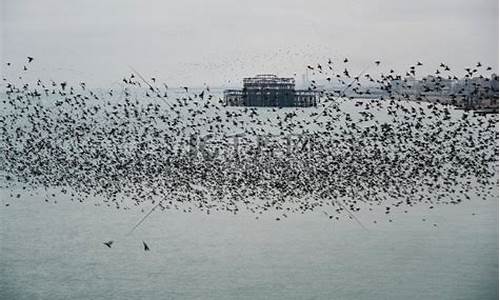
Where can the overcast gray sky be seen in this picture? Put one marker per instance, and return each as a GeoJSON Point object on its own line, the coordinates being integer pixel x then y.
{"type": "Point", "coordinates": [193, 42]}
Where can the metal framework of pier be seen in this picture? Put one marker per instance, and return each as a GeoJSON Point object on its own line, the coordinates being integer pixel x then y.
{"type": "Point", "coordinates": [268, 90]}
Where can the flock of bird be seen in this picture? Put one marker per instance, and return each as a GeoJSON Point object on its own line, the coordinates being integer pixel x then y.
{"type": "Point", "coordinates": [148, 145]}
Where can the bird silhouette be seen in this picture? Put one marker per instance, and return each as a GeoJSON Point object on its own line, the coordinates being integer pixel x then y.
{"type": "Point", "coordinates": [383, 140]}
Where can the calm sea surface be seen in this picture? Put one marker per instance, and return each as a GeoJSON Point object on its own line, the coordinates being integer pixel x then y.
{"type": "Point", "coordinates": [55, 251]}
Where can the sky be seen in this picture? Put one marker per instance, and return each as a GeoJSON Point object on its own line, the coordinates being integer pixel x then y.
{"type": "Point", "coordinates": [218, 42]}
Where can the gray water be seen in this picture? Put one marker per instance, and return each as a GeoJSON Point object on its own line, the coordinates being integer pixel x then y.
{"type": "Point", "coordinates": [55, 251]}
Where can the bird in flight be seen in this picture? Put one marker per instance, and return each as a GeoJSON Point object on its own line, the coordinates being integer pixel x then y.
{"type": "Point", "coordinates": [146, 247]}
{"type": "Point", "coordinates": [108, 243]}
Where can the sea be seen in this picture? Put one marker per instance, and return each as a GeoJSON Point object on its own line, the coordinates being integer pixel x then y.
{"type": "Point", "coordinates": [54, 250]}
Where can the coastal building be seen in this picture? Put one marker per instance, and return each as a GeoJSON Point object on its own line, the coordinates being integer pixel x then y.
{"type": "Point", "coordinates": [268, 90]}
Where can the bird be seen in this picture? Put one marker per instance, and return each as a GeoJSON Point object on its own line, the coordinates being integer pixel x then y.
{"type": "Point", "coordinates": [30, 59]}
{"type": "Point", "coordinates": [388, 140]}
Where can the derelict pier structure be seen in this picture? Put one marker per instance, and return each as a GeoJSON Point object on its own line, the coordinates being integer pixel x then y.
{"type": "Point", "coordinates": [268, 90]}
